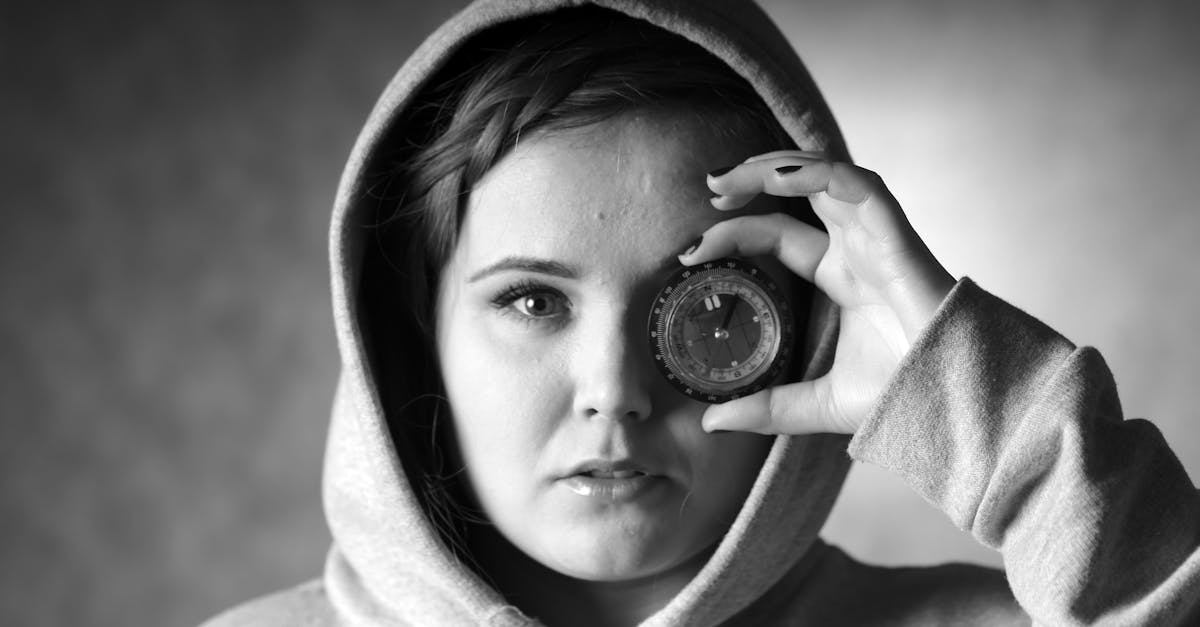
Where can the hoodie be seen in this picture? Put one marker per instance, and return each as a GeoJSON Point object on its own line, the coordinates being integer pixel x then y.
{"type": "Point", "coordinates": [1003, 424]}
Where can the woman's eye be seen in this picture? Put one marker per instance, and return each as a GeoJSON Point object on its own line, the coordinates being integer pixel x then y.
{"type": "Point", "coordinates": [540, 305]}
{"type": "Point", "coordinates": [532, 302]}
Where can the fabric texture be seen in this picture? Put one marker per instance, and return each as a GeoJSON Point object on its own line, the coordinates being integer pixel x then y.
{"type": "Point", "coordinates": [1018, 436]}
{"type": "Point", "coordinates": [992, 417]}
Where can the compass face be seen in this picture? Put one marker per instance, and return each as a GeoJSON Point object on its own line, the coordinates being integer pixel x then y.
{"type": "Point", "coordinates": [720, 330]}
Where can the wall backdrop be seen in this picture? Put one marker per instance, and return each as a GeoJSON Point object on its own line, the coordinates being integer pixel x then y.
{"type": "Point", "coordinates": [166, 351]}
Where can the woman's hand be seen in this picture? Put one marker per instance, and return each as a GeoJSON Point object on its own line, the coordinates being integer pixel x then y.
{"type": "Point", "coordinates": [871, 263]}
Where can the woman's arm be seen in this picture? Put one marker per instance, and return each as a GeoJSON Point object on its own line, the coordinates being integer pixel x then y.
{"type": "Point", "coordinates": [1018, 436]}
{"type": "Point", "coordinates": [1003, 424]}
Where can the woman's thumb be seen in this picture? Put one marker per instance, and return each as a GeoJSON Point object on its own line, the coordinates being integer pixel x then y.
{"type": "Point", "coordinates": [794, 409]}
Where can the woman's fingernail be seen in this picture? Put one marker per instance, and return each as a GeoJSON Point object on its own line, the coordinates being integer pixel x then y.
{"type": "Point", "coordinates": [692, 247]}
{"type": "Point", "coordinates": [788, 169]}
{"type": "Point", "coordinates": [720, 171]}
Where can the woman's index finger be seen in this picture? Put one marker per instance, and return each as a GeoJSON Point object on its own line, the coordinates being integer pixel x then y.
{"type": "Point", "coordinates": [798, 246]}
{"type": "Point", "coordinates": [810, 154]}
{"type": "Point", "coordinates": [755, 177]}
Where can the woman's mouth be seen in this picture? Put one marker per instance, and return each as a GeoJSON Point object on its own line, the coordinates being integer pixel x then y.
{"type": "Point", "coordinates": [611, 481]}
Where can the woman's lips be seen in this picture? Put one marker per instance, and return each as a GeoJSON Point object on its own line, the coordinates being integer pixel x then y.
{"type": "Point", "coordinates": [611, 480]}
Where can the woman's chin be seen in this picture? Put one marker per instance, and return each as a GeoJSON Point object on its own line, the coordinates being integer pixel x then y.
{"type": "Point", "coordinates": [621, 554]}
{"type": "Point", "coordinates": [612, 567]}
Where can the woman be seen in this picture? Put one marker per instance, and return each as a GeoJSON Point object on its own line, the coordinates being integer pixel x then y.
{"type": "Point", "coordinates": [505, 451]}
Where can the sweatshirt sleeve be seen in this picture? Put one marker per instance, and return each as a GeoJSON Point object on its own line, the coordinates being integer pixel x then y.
{"type": "Point", "coordinates": [1017, 435]}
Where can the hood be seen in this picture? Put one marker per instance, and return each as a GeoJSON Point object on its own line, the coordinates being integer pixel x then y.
{"type": "Point", "coordinates": [388, 564]}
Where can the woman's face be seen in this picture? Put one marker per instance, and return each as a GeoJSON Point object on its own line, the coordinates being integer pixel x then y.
{"type": "Point", "coordinates": [579, 452]}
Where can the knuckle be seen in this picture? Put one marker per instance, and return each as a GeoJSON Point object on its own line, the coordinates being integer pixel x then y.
{"type": "Point", "coordinates": [843, 169]}
{"type": "Point", "coordinates": [735, 227]}
{"type": "Point", "coordinates": [865, 174]}
{"type": "Point", "coordinates": [730, 234]}
{"type": "Point", "coordinates": [776, 224]}
{"type": "Point", "coordinates": [871, 180]}
{"type": "Point", "coordinates": [829, 405]}
{"type": "Point", "coordinates": [776, 407]}
{"type": "Point", "coordinates": [851, 183]}
{"type": "Point", "coordinates": [778, 220]}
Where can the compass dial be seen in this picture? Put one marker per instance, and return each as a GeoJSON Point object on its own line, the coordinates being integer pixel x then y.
{"type": "Point", "coordinates": [720, 330]}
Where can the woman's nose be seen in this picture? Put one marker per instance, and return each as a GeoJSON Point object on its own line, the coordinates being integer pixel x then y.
{"type": "Point", "coordinates": [613, 379]}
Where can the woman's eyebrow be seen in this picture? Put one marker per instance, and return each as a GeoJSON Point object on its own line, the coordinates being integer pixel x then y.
{"type": "Point", "coordinates": [526, 264]}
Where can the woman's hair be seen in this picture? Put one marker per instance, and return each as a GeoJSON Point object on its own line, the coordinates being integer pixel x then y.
{"type": "Point", "coordinates": [570, 69]}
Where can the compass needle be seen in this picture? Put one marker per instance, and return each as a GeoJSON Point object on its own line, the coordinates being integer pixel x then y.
{"type": "Point", "coordinates": [729, 314]}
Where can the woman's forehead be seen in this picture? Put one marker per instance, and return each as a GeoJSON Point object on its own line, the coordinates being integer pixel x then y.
{"type": "Point", "coordinates": [632, 189]}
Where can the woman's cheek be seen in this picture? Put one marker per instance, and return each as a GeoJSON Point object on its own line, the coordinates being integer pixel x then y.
{"type": "Point", "coordinates": [508, 398]}
{"type": "Point", "coordinates": [518, 365]}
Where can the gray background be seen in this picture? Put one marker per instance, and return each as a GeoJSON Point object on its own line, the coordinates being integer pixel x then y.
{"type": "Point", "coordinates": [166, 351]}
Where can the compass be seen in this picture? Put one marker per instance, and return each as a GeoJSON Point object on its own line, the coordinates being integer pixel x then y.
{"type": "Point", "coordinates": [720, 330]}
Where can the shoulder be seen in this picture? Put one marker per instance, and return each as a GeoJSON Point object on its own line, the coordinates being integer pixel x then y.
{"type": "Point", "coordinates": [305, 604]}
{"type": "Point", "coordinates": [946, 594]}
{"type": "Point", "coordinates": [950, 594]}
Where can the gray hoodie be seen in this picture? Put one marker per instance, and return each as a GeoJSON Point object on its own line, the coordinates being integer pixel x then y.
{"type": "Point", "coordinates": [1011, 430]}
